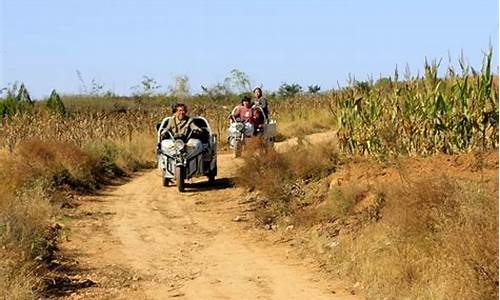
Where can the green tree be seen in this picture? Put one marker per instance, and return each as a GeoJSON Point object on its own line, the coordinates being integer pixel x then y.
{"type": "Point", "coordinates": [17, 100]}
{"type": "Point", "coordinates": [55, 104]}
{"type": "Point", "coordinates": [289, 90]}
{"type": "Point", "coordinates": [313, 89]}
{"type": "Point", "coordinates": [23, 95]}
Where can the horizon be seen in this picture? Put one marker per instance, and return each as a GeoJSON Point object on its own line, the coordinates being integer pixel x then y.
{"type": "Point", "coordinates": [117, 43]}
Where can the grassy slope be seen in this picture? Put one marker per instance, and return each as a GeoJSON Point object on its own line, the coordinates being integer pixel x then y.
{"type": "Point", "coordinates": [36, 179]}
{"type": "Point", "coordinates": [409, 228]}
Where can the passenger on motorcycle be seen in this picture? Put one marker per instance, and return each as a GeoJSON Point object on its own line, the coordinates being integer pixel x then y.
{"type": "Point", "coordinates": [248, 114]}
{"type": "Point", "coordinates": [244, 112]}
{"type": "Point", "coordinates": [260, 101]}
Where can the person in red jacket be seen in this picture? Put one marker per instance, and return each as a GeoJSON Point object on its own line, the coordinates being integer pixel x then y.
{"type": "Point", "coordinates": [244, 112]}
{"type": "Point", "coordinates": [250, 114]}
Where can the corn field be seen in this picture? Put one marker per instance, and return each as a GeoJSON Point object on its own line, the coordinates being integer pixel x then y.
{"type": "Point", "coordinates": [416, 116]}
{"type": "Point", "coordinates": [101, 121]}
{"type": "Point", "coordinates": [78, 129]}
{"type": "Point", "coordinates": [420, 116]}
{"type": "Point", "coordinates": [82, 128]}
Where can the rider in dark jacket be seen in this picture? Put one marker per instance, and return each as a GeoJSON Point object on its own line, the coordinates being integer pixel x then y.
{"type": "Point", "coordinates": [260, 101]}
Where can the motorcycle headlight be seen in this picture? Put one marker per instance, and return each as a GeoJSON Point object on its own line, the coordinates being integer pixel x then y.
{"type": "Point", "coordinates": [179, 145]}
{"type": "Point", "coordinates": [239, 126]}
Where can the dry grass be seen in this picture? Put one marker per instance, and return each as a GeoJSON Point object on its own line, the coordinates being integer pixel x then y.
{"type": "Point", "coordinates": [121, 119]}
{"type": "Point", "coordinates": [308, 121]}
{"type": "Point", "coordinates": [437, 239]}
{"type": "Point", "coordinates": [78, 128]}
{"type": "Point", "coordinates": [280, 176]}
{"type": "Point", "coordinates": [18, 280]}
{"type": "Point", "coordinates": [33, 178]}
{"type": "Point", "coordinates": [421, 230]}
{"type": "Point", "coordinates": [59, 162]}
{"type": "Point", "coordinates": [27, 240]}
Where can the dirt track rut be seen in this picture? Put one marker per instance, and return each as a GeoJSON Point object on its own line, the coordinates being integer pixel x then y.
{"type": "Point", "coordinates": [140, 240]}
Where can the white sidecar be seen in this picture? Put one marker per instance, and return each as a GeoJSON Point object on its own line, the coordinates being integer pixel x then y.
{"type": "Point", "coordinates": [239, 131]}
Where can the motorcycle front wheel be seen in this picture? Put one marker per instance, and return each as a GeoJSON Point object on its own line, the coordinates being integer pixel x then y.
{"type": "Point", "coordinates": [180, 177]}
{"type": "Point", "coordinates": [237, 148]}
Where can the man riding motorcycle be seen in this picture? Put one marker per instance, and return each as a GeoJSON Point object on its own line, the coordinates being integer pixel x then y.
{"type": "Point", "coordinates": [186, 148]}
{"type": "Point", "coordinates": [181, 126]}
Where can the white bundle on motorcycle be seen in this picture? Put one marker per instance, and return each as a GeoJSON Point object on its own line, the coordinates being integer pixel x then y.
{"type": "Point", "coordinates": [193, 147]}
{"type": "Point", "coordinates": [236, 127]}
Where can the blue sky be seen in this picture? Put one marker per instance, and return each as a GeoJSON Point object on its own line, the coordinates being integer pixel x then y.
{"type": "Point", "coordinates": [116, 42]}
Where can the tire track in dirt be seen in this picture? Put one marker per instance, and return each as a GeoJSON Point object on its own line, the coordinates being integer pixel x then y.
{"type": "Point", "coordinates": [141, 240]}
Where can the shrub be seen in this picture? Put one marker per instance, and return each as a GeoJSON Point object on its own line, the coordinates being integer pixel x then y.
{"type": "Point", "coordinates": [279, 176]}
{"type": "Point", "coordinates": [55, 104]}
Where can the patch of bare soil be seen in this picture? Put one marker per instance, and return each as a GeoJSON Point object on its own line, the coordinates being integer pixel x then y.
{"type": "Point", "coordinates": [481, 167]}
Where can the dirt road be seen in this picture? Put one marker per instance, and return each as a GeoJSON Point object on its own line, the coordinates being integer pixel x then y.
{"type": "Point", "coordinates": [141, 240]}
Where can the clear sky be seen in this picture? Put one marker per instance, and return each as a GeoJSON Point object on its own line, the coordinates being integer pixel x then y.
{"type": "Point", "coordinates": [320, 42]}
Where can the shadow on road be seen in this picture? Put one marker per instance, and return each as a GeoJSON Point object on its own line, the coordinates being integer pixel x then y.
{"type": "Point", "coordinates": [218, 184]}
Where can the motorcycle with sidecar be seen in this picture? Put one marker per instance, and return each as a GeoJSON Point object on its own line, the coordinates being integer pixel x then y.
{"type": "Point", "coordinates": [181, 158]}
